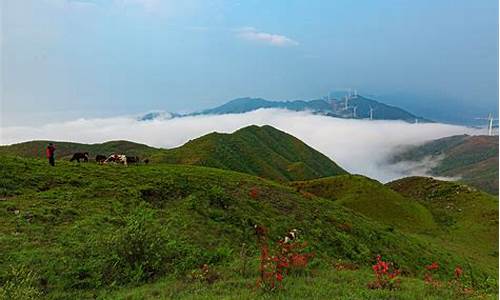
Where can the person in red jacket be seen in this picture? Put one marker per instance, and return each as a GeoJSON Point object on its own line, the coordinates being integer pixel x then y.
{"type": "Point", "coordinates": [50, 154]}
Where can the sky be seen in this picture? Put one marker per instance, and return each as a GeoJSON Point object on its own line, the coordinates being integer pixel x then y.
{"type": "Point", "coordinates": [66, 59]}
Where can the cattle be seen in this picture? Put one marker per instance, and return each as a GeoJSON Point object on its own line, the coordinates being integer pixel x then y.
{"type": "Point", "coordinates": [99, 158]}
{"type": "Point", "coordinates": [291, 236]}
{"type": "Point", "coordinates": [132, 159]}
{"type": "Point", "coordinates": [116, 158]}
{"type": "Point", "coordinates": [146, 161]}
{"type": "Point", "coordinates": [79, 155]}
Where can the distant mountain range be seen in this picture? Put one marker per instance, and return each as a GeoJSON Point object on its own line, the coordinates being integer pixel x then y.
{"type": "Point", "coordinates": [472, 159]}
{"type": "Point", "coordinates": [349, 106]}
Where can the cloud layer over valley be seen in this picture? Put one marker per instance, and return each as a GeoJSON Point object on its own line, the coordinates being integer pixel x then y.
{"type": "Point", "coordinates": [359, 146]}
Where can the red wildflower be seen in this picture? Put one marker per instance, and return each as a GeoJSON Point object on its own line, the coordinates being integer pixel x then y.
{"type": "Point", "coordinates": [433, 266]}
{"type": "Point", "coordinates": [386, 275]}
{"type": "Point", "coordinates": [458, 272]}
{"type": "Point", "coordinates": [254, 193]}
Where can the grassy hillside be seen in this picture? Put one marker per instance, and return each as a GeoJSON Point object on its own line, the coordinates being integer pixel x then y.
{"type": "Point", "coordinates": [86, 231]}
{"type": "Point", "coordinates": [64, 150]}
{"type": "Point", "coordinates": [454, 215]}
{"type": "Point", "coordinates": [468, 218]}
{"type": "Point", "coordinates": [372, 199]}
{"type": "Point", "coordinates": [472, 158]}
{"type": "Point", "coordinates": [263, 151]}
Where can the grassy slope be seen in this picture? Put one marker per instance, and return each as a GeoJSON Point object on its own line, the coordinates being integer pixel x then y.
{"type": "Point", "coordinates": [453, 215]}
{"type": "Point", "coordinates": [68, 224]}
{"type": "Point", "coordinates": [64, 150]}
{"type": "Point", "coordinates": [468, 218]}
{"type": "Point", "coordinates": [473, 158]}
{"type": "Point", "coordinates": [263, 151]}
{"type": "Point", "coordinates": [372, 199]}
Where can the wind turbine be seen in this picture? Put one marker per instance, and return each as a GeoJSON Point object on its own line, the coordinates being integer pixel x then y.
{"type": "Point", "coordinates": [490, 123]}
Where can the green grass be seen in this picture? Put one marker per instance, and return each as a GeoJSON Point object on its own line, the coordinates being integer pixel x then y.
{"type": "Point", "coordinates": [473, 159]}
{"type": "Point", "coordinates": [64, 150]}
{"type": "Point", "coordinates": [468, 218]}
{"type": "Point", "coordinates": [327, 283]}
{"type": "Point", "coordinates": [262, 151]}
{"type": "Point", "coordinates": [84, 230]}
{"type": "Point", "coordinates": [372, 199]}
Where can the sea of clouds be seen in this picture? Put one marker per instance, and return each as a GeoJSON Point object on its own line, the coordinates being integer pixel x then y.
{"type": "Point", "coordinates": [359, 146]}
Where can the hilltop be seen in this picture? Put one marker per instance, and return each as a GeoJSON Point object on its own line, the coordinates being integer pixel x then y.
{"type": "Point", "coordinates": [331, 107]}
{"type": "Point", "coordinates": [263, 151]}
{"type": "Point", "coordinates": [372, 199]}
{"type": "Point", "coordinates": [87, 231]}
{"type": "Point", "coordinates": [358, 107]}
{"type": "Point", "coordinates": [458, 216]}
{"type": "Point", "coordinates": [467, 217]}
{"type": "Point", "coordinates": [471, 159]}
{"type": "Point", "coordinates": [66, 149]}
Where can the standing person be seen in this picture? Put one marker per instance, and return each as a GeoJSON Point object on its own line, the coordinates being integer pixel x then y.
{"type": "Point", "coordinates": [50, 154]}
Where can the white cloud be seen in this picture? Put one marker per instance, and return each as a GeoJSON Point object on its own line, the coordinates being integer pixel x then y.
{"type": "Point", "coordinates": [360, 146]}
{"type": "Point", "coordinates": [251, 34]}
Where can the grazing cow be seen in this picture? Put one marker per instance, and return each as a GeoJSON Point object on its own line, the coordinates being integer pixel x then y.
{"type": "Point", "coordinates": [291, 236]}
{"type": "Point", "coordinates": [116, 158]}
{"type": "Point", "coordinates": [77, 156]}
{"type": "Point", "coordinates": [99, 158]}
{"type": "Point", "coordinates": [146, 161]}
{"type": "Point", "coordinates": [132, 159]}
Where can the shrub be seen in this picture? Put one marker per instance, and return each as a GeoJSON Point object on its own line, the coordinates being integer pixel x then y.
{"type": "Point", "coordinates": [218, 198]}
{"type": "Point", "coordinates": [144, 249]}
{"type": "Point", "coordinates": [428, 277]}
{"type": "Point", "coordinates": [386, 275]}
{"type": "Point", "coordinates": [288, 256]}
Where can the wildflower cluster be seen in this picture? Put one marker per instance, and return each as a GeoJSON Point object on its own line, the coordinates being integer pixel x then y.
{"type": "Point", "coordinates": [428, 277]}
{"type": "Point", "coordinates": [254, 193]}
{"type": "Point", "coordinates": [288, 256]}
{"type": "Point", "coordinates": [386, 275]}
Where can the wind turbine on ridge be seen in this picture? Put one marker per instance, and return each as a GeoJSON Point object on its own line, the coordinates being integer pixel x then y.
{"type": "Point", "coordinates": [490, 123]}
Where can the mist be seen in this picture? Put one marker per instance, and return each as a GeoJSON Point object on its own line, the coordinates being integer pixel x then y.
{"type": "Point", "coordinates": [359, 146]}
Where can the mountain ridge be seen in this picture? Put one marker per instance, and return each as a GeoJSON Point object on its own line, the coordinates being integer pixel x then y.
{"type": "Point", "coordinates": [349, 107]}
{"type": "Point", "coordinates": [473, 159]}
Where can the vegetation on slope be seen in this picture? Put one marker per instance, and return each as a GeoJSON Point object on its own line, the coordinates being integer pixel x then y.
{"type": "Point", "coordinates": [64, 150]}
{"type": "Point", "coordinates": [333, 107]}
{"type": "Point", "coordinates": [77, 231]}
{"type": "Point", "coordinates": [474, 159]}
{"type": "Point", "coordinates": [263, 151]}
{"type": "Point", "coordinates": [468, 218]}
{"type": "Point", "coordinates": [372, 199]}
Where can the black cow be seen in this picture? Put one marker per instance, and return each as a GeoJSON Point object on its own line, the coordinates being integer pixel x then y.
{"type": "Point", "coordinates": [99, 158]}
{"type": "Point", "coordinates": [79, 155]}
{"type": "Point", "coordinates": [132, 159]}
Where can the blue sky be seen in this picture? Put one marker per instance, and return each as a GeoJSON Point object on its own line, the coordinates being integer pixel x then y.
{"type": "Point", "coordinates": [83, 58]}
